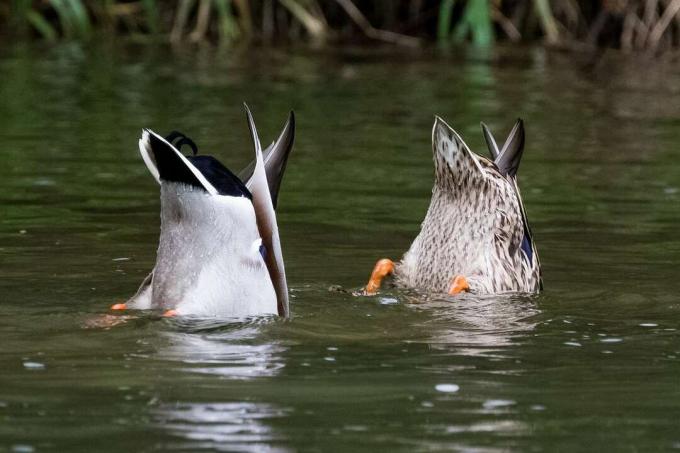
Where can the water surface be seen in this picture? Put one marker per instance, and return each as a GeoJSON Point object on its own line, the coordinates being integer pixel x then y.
{"type": "Point", "coordinates": [592, 363]}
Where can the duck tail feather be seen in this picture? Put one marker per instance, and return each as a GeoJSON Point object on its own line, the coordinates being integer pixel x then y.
{"type": "Point", "coordinates": [490, 142]}
{"type": "Point", "coordinates": [510, 156]}
{"type": "Point", "coordinates": [165, 162]}
{"type": "Point", "coordinates": [275, 159]}
{"type": "Point", "coordinates": [266, 221]}
{"type": "Point", "coordinates": [452, 155]}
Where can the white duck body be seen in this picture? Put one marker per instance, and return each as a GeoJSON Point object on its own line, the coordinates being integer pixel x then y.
{"type": "Point", "coordinates": [212, 259]}
{"type": "Point", "coordinates": [209, 260]}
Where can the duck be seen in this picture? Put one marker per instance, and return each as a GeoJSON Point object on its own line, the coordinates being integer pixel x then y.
{"type": "Point", "coordinates": [475, 236]}
{"type": "Point", "coordinates": [219, 252]}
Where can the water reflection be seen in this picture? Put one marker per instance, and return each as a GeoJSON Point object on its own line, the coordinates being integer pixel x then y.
{"type": "Point", "coordinates": [238, 351]}
{"type": "Point", "coordinates": [234, 426]}
{"type": "Point", "coordinates": [232, 350]}
{"type": "Point", "coordinates": [479, 326]}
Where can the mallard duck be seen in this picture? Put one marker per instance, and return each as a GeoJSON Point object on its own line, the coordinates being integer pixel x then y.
{"type": "Point", "coordinates": [475, 236]}
{"type": "Point", "coordinates": [219, 252]}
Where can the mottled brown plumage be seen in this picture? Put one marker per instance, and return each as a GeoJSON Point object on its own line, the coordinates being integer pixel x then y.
{"type": "Point", "coordinates": [475, 225]}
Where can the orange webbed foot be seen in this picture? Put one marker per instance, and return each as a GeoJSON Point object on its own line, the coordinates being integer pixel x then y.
{"type": "Point", "coordinates": [382, 269]}
{"type": "Point", "coordinates": [121, 306]}
{"type": "Point", "coordinates": [459, 284]}
{"type": "Point", "coordinates": [170, 313]}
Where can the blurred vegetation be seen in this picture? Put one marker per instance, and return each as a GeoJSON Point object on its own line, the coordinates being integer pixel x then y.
{"type": "Point", "coordinates": [650, 25]}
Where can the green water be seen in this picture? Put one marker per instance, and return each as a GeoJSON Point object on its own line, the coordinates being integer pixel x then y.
{"type": "Point", "coordinates": [592, 363]}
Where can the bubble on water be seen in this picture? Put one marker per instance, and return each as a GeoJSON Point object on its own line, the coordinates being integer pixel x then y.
{"type": "Point", "coordinates": [607, 351]}
{"type": "Point", "coordinates": [331, 348]}
{"type": "Point", "coordinates": [122, 258]}
{"type": "Point", "coordinates": [355, 428]}
{"type": "Point", "coordinates": [447, 388]}
{"type": "Point", "coordinates": [649, 324]}
{"type": "Point", "coordinates": [572, 343]}
{"type": "Point", "coordinates": [427, 404]}
{"type": "Point", "coordinates": [34, 366]}
{"type": "Point", "coordinates": [22, 448]}
{"type": "Point", "coordinates": [611, 340]}
{"type": "Point", "coordinates": [388, 301]}
{"type": "Point", "coordinates": [494, 404]}
{"type": "Point", "coordinates": [43, 182]}
{"type": "Point", "coordinates": [329, 359]}
{"type": "Point", "coordinates": [537, 407]}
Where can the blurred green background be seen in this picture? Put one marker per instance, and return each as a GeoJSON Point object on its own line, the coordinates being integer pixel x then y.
{"type": "Point", "coordinates": [648, 25]}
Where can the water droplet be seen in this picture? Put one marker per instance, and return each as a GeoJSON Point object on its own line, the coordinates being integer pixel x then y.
{"type": "Point", "coordinates": [388, 301]}
{"type": "Point", "coordinates": [447, 388]}
{"type": "Point", "coordinates": [493, 404]}
{"type": "Point", "coordinates": [649, 324]}
{"type": "Point", "coordinates": [572, 343]}
{"type": "Point", "coordinates": [34, 366]}
{"type": "Point", "coordinates": [22, 448]}
{"type": "Point", "coordinates": [355, 428]}
{"type": "Point", "coordinates": [611, 340]}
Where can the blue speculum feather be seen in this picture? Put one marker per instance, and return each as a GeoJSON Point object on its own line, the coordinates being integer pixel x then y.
{"type": "Point", "coordinates": [526, 246]}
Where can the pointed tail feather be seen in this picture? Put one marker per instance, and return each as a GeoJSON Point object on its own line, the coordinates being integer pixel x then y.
{"type": "Point", "coordinates": [453, 159]}
{"type": "Point", "coordinates": [276, 157]}
{"type": "Point", "coordinates": [490, 142]}
{"type": "Point", "coordinates": [266, 221]}
{"type": "Point", "coordinates": [510, 156]}
{"type": "Point", "coordinates": [275, 160]}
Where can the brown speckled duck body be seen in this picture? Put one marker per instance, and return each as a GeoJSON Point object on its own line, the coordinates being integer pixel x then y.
{"type": "Point", "coordinates": [475, 228]}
